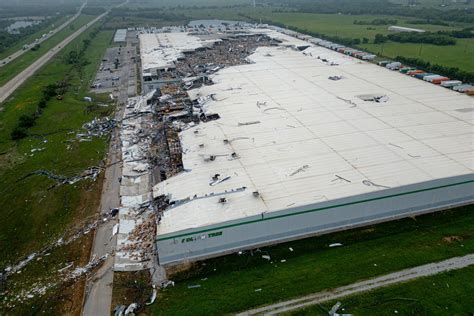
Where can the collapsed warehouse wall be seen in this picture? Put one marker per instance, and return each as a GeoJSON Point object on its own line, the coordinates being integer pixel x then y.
{"type": "Point", "coordinates": [151, 146]}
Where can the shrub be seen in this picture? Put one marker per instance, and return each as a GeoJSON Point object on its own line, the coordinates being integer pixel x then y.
{"type": "Point", "coordinates": [26, 121]}
{"type": "Point", "coordinates": [18, 133]}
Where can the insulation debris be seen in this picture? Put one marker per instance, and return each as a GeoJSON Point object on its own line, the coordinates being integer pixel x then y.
{"type": "Point", "coordinates": [97, 128]}
{"type": "Point", "coordinates": [91, 173]}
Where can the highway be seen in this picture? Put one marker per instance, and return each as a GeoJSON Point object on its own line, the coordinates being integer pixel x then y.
{"type": "Point", "coordinates": [19, 79]}
{"type": "Point", "coordinates": [20, 52]}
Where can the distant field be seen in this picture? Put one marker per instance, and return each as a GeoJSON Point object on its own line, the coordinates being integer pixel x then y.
{"type": "Point", "coordinates": [188, 3]}
{"type": "Point", "coordinates": [460, 55]}
{"type": "Point", "coordinates": [237, 282]}
{"type": "Point", "coordinates": [437, 3]}
{"type": "Point", "coordinates": [30, 39]}
{"type": "Point", "coordinates": [448, 293]}
{"type": "Point", "coordinates": [13, 68]}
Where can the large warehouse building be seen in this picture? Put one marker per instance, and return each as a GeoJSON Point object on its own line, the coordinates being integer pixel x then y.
{"type": "Point", "coordinates": [295, 153]}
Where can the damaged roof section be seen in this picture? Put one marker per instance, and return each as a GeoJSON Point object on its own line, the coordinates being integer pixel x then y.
{"type": "Point", "coordinates": [296, 138]}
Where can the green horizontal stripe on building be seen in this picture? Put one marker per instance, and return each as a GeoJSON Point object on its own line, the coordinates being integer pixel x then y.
{"type": "Point", "coordinates": [314, 210]}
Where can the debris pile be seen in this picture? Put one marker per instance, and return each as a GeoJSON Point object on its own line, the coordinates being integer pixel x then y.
{"type": "Point", "coordinates": [89, 174]}
{"type": "Point", "coordinates": [97, 128]}
{"type": "Point", "coordinates": [141, 239]}
{"type": "Point", "coordinates": [66, 239]}
{"type": "Point", "coordinates": [228, 52]}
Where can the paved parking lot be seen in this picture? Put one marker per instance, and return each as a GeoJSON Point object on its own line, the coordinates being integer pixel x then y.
{"type": "Point", "coordinates": [110, 72]}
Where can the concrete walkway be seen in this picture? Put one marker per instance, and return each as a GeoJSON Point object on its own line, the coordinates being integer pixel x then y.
{"type": "Point", "coordinates": [98, 293]}
{"type": "Point", "coordinates": [363, 286]}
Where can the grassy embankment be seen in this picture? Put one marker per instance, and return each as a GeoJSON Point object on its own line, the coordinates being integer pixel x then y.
{"type": "Point", "coordinates": [237, 282]}
{"type": "Point", "coordinates": [34, 213]}
{"type": "Point", "coordinates": [13, 68]}
{"type": "Point", "coordinates": [447, 293]}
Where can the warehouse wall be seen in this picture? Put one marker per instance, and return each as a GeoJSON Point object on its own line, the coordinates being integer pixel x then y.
{"type": "Point", "coordinates": [270, 228]}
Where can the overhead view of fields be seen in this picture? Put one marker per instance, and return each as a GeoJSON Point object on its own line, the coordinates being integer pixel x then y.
{"type": "Point", "coordinates": [458, 55]}
{"type": "Point", "coordinates": [277, 157]}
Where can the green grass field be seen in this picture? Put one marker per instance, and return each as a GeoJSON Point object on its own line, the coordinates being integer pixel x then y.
{"type": "Point", "coordinates": [459, 55]}
{"type": "Point", "coordinates": [38, 213]}
{"type": "Point", "coordinates": [34, 214]}
{"type": "Point", "coordinates": [448, 293]}
{"type": "Point", "coordinates": [237, 282]}
{"type": "Point", "coordinates": [13, 68]}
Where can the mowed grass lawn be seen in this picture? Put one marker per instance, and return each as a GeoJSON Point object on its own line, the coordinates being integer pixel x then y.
{"type": "Point", "coordinates": [14, 67]}
{"type": "Point", "coordinates": [32, 213]}
{"type": "Point", "coordinates": [447, 293]}
{"type": "Point", "coordinates": [237, 282]}
{"type": "Point", "coordinates": [459, 55]}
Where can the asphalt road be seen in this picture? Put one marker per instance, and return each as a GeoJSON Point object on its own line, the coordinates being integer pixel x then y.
{"type": "Point", "coordinates": [98, 294]}
{"type": "Point", "coordinates": [17, 81]}
{"type": "Point", "coordinates": [20, 52]}
{"type": "Point", "coordinates": [363, 286]}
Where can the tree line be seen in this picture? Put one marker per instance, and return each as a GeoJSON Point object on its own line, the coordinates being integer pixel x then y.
{"type": "Point", "coordinates": [376, 22]}
{"type": "Point", "coordinates": [378, 7]}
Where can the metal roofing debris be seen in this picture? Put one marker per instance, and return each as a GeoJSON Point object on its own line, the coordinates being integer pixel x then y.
{"type": "Point", "coordinates": [90, 173]}
{"type": "Point", "coordinates": [98, 127]}
{"type": "Point", "coordinates": [311, 127]}
{"type": "Point", "coordinates": [120, 35]}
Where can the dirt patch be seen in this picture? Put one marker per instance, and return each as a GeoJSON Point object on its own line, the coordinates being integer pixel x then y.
{"type": "Point", "coordinates": [131, 287]}
{"type": "Point", "coordinates": [180, 269]}
{"type": "Point", "coordinates": [10, 158]}
{"type": "Point", "coordinates": [452, 239]}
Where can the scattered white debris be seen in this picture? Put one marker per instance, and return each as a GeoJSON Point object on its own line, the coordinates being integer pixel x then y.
{"type": "Point", "coordinates": [115, 229]}
{"type": "Point", "coordinates": [335, 245]}
{"type": "Point", "coordinates": [166, 283]}
{"type": "Point", "coordinates": [267, 257]}
{"type": "Point", "coordinates": [152, 298]}
{"type": "Point", "coordinates": [130, 309]}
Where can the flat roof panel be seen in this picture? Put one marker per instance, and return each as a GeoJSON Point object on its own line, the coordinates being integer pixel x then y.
{"type": "Point", "coordinates": [304, 139]}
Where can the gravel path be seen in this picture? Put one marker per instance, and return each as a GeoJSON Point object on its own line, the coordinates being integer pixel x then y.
{"type": "Point", "coordinates": [363, 286]}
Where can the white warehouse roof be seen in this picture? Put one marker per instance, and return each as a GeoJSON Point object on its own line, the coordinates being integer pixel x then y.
{"type": "Point", "coordinates": [161, 50]}
{"type": "Point", "coordinates": [301, 138]}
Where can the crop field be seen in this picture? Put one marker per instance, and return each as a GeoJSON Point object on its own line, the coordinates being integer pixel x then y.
{"type": "Point", "coordinates": [448, 293]}
{"type": "Point", "coordinates": [237, 282]}
{"type": "Point", "coordinates": [35, 212]}
{"type": "Point", "coordinates": [11, 69]}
